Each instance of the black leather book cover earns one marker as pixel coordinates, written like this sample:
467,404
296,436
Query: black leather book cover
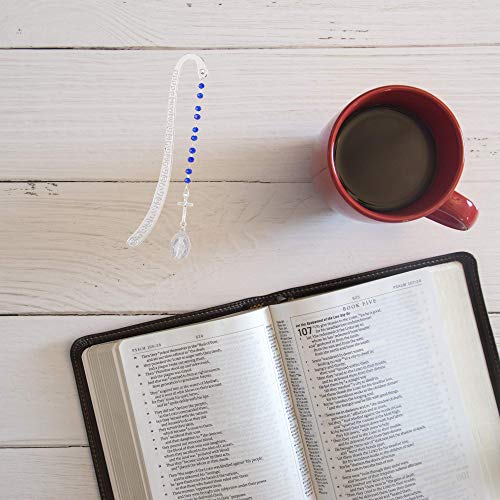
471,273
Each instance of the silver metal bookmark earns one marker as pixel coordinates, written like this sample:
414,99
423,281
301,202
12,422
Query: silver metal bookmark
180,244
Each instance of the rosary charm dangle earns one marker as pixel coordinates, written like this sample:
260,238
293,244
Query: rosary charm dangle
180,245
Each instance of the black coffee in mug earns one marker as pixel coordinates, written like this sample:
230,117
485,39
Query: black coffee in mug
385,157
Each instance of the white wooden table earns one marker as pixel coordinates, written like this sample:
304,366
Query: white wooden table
82,108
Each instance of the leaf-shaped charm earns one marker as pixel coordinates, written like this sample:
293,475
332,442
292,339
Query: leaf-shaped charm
180,245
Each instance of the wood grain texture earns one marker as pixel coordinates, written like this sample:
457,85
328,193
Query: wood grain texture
63,245
269,23
40,405
47,474
99,115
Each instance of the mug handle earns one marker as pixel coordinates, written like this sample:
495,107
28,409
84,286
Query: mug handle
458,212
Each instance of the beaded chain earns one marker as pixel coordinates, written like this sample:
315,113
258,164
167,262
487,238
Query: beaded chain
180,244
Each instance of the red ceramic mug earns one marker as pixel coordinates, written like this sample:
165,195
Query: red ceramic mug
440,202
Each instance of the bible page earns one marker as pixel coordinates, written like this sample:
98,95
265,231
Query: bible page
212,413
375,389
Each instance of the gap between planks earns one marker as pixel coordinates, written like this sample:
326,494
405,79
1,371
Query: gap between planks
41,446
138,181
99,313
263,47
205,181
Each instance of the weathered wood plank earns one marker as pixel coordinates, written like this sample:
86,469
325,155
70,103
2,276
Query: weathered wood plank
177,23
63,246
39,402
47,474
99,115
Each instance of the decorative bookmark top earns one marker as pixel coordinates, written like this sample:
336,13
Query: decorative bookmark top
180,244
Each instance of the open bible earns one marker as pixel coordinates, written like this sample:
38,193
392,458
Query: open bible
378,390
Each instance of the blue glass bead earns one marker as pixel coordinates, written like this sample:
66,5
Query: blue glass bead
190,159
187,180
201,86
188,171
194,137
192,150
197,108
197,116
199,95
195,129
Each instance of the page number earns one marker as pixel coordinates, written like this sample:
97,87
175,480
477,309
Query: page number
303,332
